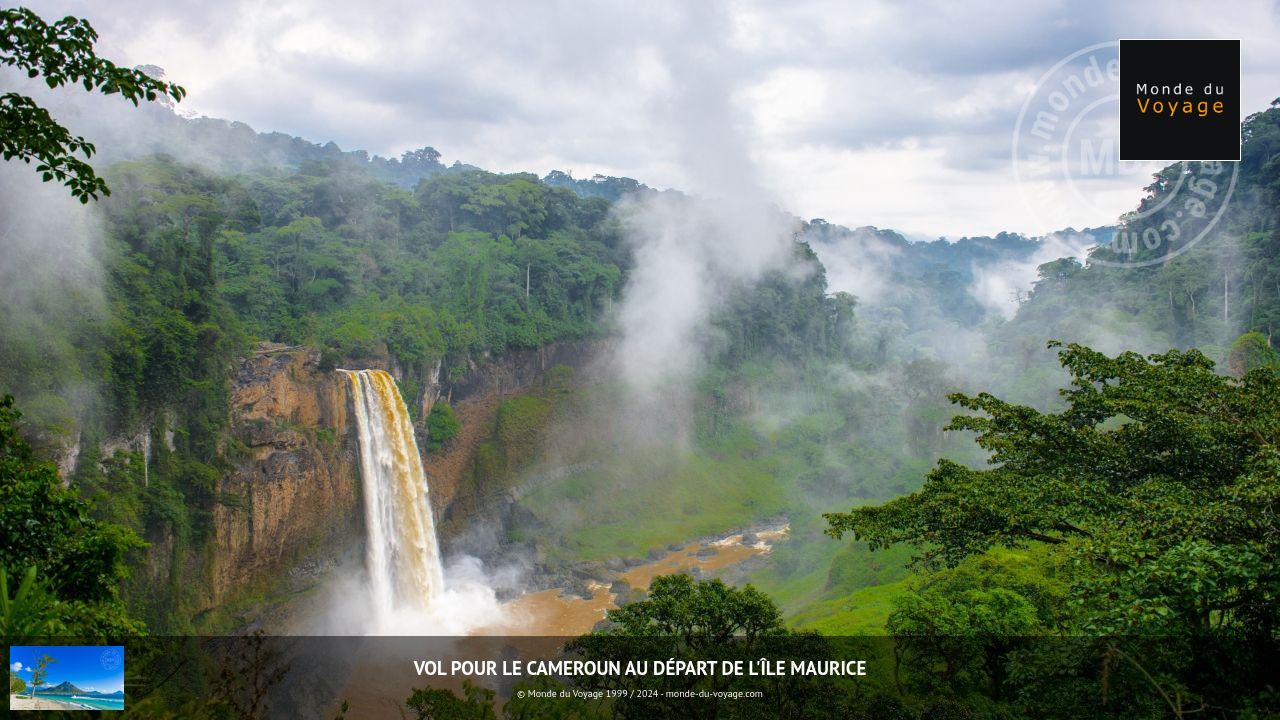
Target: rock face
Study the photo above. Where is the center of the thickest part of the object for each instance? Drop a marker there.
(295, 503)
(475, 399)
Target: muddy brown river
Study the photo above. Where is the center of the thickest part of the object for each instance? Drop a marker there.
(536, 625)
(551, 613)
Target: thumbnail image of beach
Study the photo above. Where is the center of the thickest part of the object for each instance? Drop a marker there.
(66, 677)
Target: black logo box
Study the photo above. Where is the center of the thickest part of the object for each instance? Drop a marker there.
(1157, 73)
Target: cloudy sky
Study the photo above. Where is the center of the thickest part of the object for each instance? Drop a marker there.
(894, 114)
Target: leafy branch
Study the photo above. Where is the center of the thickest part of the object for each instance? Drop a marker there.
(62, 53)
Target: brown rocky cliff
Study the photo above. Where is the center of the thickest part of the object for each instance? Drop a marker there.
(475, 399)
(294, 509)
(296, 497)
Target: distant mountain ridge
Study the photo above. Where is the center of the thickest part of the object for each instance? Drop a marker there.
(62, 688)
(602, 186)
(121, 131)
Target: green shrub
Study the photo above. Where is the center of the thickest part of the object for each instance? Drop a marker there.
(442, 425)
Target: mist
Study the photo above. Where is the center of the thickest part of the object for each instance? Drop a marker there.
(469, 602)
(688, 250)
(1001, 286)
(867, 423)
(861, 264)
(51, 289)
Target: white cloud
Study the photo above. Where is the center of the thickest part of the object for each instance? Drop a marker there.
(999, 285)
(860, 264)
(16, 667)
(889, 114)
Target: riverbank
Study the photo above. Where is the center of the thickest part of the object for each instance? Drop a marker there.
(575, 610)
(25, 702)
(537, 623)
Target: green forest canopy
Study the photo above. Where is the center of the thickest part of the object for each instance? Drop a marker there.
(1144, 501)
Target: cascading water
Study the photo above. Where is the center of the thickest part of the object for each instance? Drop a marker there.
(403, 557)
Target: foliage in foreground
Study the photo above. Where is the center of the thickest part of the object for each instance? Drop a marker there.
(64, 567)
(61, 53)
(1154, 480)
(1149, 499)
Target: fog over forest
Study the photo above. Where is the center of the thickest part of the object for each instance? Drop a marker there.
(720, 332)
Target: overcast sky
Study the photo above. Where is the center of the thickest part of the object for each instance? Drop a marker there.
(894, 114)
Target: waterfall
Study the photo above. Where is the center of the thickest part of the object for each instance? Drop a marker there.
(403, 558)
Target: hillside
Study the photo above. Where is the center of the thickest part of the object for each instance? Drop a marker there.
(979, 447)
(469, 265)
(62, 688)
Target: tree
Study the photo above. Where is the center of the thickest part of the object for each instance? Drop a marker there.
(702, 615)
(250, 668)
(1155, 488)
(1251, 350)
(47, 526)
(960, 625)
(62, 53)
(40, 672)
(476, 703)
(1155, 477)
(442, 425)
(704, 620)
(16, 684)
(924, 384)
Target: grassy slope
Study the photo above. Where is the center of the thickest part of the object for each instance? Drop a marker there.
(836, 586)
(623, 501)
(635, 500)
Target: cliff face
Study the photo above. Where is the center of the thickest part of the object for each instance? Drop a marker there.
(294, 505)
(296, 497)
(476, 398)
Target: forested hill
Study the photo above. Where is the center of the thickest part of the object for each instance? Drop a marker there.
(123, 132)
(198, 265)
(229, 236)
(233, 147)
(924, 282)
(1223, 286)
(602, 186)
(289, 241)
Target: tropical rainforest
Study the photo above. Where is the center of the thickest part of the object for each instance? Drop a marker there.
(1064, 511)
